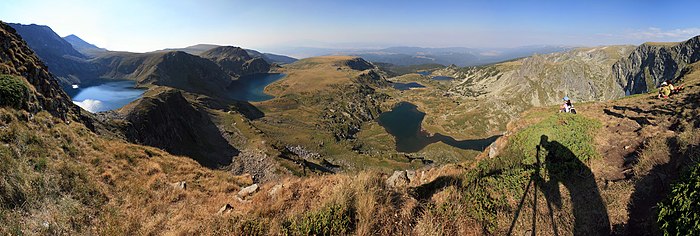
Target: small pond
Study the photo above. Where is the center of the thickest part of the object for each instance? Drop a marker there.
(404, 123)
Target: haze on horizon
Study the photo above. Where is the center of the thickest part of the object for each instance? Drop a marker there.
(141, 26)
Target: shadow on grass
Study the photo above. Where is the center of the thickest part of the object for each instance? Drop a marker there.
(563, 167)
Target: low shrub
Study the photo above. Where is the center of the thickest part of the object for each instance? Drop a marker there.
(679, 214)
(13, 91)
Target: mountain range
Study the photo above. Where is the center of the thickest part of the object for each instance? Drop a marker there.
(75, 61)
(407, 56)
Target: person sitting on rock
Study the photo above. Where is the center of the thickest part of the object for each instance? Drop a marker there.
(664, 90)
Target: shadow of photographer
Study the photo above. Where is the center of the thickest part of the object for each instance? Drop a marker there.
(563, 167)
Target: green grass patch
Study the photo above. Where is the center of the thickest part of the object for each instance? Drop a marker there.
(574, 132)
(335, 219)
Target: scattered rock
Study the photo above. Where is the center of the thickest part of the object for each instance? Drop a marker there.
(275, 189)
(398, 179)
(225, 209)
(248, 191)
(179, 185)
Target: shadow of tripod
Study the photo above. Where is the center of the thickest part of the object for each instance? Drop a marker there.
(535, 179)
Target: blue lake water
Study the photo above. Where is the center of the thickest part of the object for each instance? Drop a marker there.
(404, 123)
(442, 78)
(425, 72)
(105, 96)
(406, 86)
(251, 88)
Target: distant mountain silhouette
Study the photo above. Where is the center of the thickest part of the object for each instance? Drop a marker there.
(84, 47)
(62, 59)
(408, 56)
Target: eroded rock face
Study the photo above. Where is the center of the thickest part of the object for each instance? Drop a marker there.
(652, 63)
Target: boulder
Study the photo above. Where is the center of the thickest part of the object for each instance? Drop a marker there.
(248, 191)
(225, 209)
(398, 179)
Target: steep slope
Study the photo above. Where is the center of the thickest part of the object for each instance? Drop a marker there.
(67, 64)
(236, 61)
(653, 63)
(19, 60)
(164, 118)
(83, 47)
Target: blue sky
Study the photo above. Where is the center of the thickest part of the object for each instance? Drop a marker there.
(268, 24)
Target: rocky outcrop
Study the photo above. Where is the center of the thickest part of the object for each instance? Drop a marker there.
(358, 64)
(653, 63)
(398, 179)
(344, 117)
(235, 61)
(16, 58)
(164, 118)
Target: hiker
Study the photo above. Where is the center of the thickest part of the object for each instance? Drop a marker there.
(567, 106)
(675, 89)
(664, 90)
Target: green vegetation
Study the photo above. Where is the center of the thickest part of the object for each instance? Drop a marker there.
(679, 214)
(335, 219)
(573, 131)
(13, 91)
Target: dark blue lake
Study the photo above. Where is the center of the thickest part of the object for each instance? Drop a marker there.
(406, 86)
(425, 72)
(251, 87)
(105, 96)
(404, 123)
(442, 78)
